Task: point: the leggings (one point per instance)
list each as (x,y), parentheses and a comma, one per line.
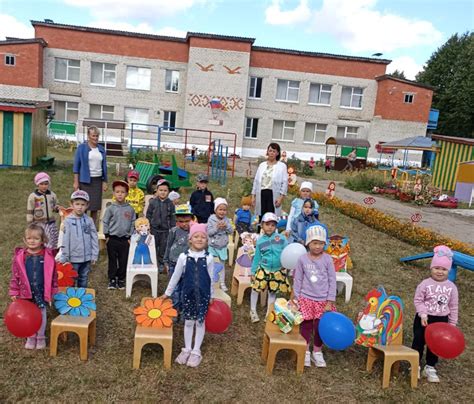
(419,338)
(266,202)
(307,328)
(189,326)
(41,332)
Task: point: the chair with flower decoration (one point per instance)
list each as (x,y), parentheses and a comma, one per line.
(79,316)
(154,326)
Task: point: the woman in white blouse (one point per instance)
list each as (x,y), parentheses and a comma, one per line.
(271,183)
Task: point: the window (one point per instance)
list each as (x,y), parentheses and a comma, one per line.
(315,133)
(169,121)
(288,90)
(408,98)
(320,94)
(67,70)
(352,97)
(283,130)
(66,111)
(10,60)
(251,127)
(172,81)
(103,74)
(350,132)
(101,111)
(255,87)
(138,78)
(136,116)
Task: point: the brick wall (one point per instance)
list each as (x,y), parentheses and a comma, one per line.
(27,71)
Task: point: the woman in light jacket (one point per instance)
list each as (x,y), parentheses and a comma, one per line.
(271,183)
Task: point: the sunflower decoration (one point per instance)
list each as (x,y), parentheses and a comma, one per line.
(75,302)
(66,274)
(157,313)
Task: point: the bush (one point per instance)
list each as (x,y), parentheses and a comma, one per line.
(307,170)
(294,162)
(364,181)
(140,155)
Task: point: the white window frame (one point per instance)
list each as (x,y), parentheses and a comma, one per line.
(67,108)
(321,90)
(102,112)
(172,73)
(285,126)
(167,121)
(353,96)
(68,66)
(104,70)
(11,57)
(347,132)
(406,98)
(249,128)
(134,120)
(288,88)
(255,80)
(318,128)
(140,75)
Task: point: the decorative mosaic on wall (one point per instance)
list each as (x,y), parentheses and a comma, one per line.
(203,101)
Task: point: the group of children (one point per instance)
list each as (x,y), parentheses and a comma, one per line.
(189,239)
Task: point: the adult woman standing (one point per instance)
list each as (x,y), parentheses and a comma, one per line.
(90,170)
(271,183)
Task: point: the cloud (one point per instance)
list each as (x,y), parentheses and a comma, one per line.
(143,28)
(406,64)
(10,26)
(148,10)
(275,16)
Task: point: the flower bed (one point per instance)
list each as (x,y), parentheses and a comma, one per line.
(402,230)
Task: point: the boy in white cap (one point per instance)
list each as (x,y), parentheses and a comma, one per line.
(218,230)
(306,189)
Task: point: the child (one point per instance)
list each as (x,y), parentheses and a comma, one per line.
(243,216)
(266,266)
(135,197)
(306,189)
(202,200)
(119,219)
(34,278)
(194,269)
(80,243)
(327,165)
(175,198)
(160,213)
(311,163)
(315,288)
(218,230)
(178,243)
(436,301)
(303,221)
(41,206)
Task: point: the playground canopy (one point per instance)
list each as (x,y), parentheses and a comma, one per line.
(419,143)
(347,144)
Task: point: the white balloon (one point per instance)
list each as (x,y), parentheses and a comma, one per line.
(291,254)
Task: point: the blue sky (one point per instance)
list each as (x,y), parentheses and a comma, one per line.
(406,31)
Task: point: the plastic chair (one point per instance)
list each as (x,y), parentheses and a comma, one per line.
(100,233)
(148,198)
(142,272)
(274,340)
(84,327)
(347,280)
(221,295)
(149,335)
(392,354)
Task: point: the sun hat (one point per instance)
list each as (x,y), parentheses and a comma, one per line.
(306,185)
(80,194)
(197,228)
(443,257)
(219,201)
(316,233)
(42,177)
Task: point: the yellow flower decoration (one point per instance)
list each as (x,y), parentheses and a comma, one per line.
(156,313)
(278,276)
(273,285)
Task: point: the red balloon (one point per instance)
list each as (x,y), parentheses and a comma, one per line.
(445,340)
(23,318)
(218,317)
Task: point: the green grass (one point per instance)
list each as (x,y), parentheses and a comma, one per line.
(231,369)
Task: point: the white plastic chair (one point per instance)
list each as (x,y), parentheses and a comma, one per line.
(100,232)
(346,280)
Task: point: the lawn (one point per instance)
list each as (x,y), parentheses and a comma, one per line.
(231,368)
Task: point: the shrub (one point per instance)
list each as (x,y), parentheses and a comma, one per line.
(307,170)
(364,181)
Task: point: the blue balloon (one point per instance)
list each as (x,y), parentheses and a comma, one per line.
(336,330)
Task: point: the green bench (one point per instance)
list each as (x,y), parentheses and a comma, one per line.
(46,162)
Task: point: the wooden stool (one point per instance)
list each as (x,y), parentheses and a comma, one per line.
(241,283)
(149,335)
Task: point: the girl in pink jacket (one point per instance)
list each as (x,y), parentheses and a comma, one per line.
(34,278)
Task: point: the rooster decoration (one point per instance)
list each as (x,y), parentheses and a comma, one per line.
(381,320)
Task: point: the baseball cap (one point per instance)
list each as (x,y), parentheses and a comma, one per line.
(79,194)
(120,183)
(269,217)
(202,178)
(183,210)
(162,182)
(133,174)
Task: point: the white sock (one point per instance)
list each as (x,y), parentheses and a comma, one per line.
(222,276)
(200,332)
(188,334)
(253,300)
(271,300)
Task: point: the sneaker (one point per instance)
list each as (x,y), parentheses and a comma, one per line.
(194,360)
(183,357)
(430,373)
(224,287)
(121,285)
(307,359)
(30,343)
(318,359)
(112,284)
(40,343)
(254,316)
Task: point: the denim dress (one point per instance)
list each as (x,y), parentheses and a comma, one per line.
(34,265)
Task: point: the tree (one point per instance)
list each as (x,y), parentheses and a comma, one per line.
(450,70)
(398,73)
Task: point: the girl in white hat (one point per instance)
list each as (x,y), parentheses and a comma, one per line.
(306,189)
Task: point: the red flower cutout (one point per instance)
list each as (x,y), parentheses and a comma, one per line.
(66,274)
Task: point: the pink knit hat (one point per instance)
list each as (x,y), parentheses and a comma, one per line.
(197,228)
(42,177)
(443,257)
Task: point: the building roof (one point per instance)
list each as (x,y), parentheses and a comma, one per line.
(411,82)
(411,143)
(453,139)
(7,104)
(217,36)
(19,41)
(342,141)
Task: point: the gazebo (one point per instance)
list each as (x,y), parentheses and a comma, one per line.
(343,146)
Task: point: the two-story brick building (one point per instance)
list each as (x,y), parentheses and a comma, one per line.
(296,98)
